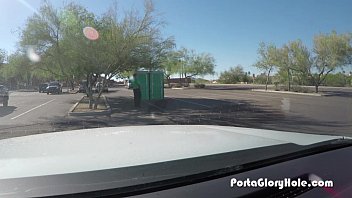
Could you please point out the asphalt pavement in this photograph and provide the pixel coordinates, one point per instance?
(31, 112)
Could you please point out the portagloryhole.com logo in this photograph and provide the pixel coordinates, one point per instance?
(312, 181)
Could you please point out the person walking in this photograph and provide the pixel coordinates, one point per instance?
(136, 91)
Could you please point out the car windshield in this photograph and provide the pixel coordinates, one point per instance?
(244, 74)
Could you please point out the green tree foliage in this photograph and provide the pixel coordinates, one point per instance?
(44, 31)
(331, 51)
(201, 65)
(2, 63)
(263, 79)
(187, 63)
(295, 62)
(126, 42)
(337, 80)
(18, 69)
(267, 60)
(233, 75)
(194, 64)
(171, 64)
(3, 56)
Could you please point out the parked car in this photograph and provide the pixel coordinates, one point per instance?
(42, 87)
(82, 88)
(54, 88)
(4, 96)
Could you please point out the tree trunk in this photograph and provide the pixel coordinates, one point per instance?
(289, 80)
(96, 102)
(72, 85)
(316, 88)
(101, 89)
(180, 78)
(267, 80)
(28, 79)
(89, 91)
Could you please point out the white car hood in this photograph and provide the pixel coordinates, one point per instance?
(115, 147)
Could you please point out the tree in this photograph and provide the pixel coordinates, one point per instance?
(293, 59)
(299, 61)
(195, 64)
(187, 63)
(2, 57)
(129, 44)
(43, 31)
(171, 64)
(267, 59)
(263, 79)
(201, 64)
(123, 45)
(191, 64)
(232, 76)
(18, 69)
(331, 51)
(2, 62)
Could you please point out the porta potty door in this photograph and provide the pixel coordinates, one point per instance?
(143, 79)
(156, 85)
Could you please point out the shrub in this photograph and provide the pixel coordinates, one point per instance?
(300, 89)
(199, 86)
(178, 85)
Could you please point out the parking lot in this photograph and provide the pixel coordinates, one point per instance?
(32, 112)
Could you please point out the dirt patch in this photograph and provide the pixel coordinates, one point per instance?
(83, 105)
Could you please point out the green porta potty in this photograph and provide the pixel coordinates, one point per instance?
(152, 84)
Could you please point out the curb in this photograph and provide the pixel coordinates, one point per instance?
(288, 92)
(100, 113)
(180, 88)
(72, 92)
(26, 90)
(74, 106)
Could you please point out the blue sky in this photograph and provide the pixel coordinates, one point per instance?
(228, 29)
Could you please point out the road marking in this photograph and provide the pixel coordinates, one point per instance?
(32, 109)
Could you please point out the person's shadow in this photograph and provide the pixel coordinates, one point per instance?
(4, 111)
